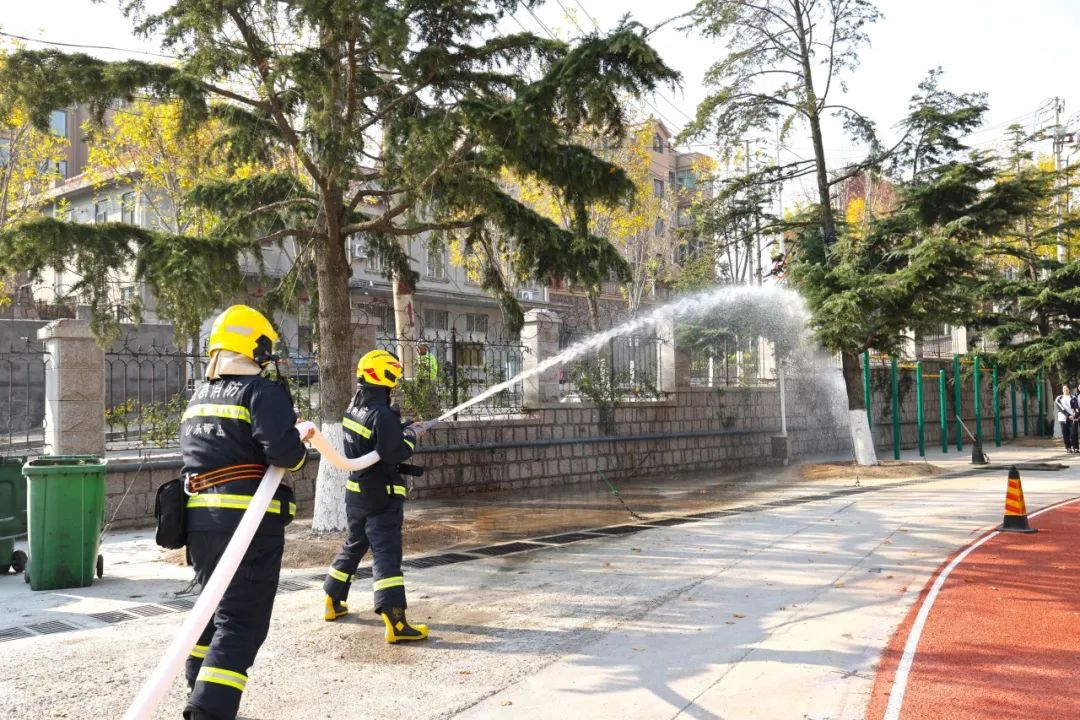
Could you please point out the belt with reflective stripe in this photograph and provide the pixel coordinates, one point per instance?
(401, 490)
(221, 676)
(338, 575)
(232, 412)
(356, 427)
(199, 651)
(202, 481)
(397, 581)
(233, 502)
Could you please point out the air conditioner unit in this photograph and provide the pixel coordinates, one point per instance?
(359, 251)
(529, 295)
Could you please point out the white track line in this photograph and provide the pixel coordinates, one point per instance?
(896, 695)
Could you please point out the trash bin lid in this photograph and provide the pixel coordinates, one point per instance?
(63, 464)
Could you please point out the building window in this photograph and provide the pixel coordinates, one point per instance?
(657, 143)
(659, 229)
(58, 123)
(436, 261)
(658, 188)
(683, 216)
(671, 178)
(385, 312)
(436, 320)
(686, 180)
(374, 263)
(476, 323)
(60, 167)
(127, 208)
(468, 354)
(101, 211)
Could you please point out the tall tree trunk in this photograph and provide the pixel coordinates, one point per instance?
(335, 363)
(862, 441)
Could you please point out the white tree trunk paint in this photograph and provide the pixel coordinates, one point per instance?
(329, 513)
(861, 439)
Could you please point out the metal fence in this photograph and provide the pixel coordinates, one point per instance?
(627, 367)
(148, 388)
(729, 367)
(22, 397)
(449, 368)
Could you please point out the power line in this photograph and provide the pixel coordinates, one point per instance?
(57, 43)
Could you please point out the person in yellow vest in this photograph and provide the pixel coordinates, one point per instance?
(237, 423)
(427, 365)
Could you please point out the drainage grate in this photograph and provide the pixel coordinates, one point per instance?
(291, 586)
(667, 522)
(786, 502)
(320, 578)
(53, 626)
(568, 538)
(149, 610)
(621, 529)
(514, 547)
(14, 633)
(436, 560)
(179, 605)
(361, 573)
(113, 616)
(714, 514)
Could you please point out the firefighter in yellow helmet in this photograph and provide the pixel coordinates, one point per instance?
(374, 498)
(237, 423)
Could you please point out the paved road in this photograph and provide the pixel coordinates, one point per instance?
(781, 613)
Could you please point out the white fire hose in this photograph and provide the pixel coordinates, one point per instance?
(160, 680)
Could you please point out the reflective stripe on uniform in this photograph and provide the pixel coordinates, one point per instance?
(397, 581)
(338, 575)
(221, 676)
(299, 464)
(199, 651)
(356, 428)
(232, 412)
(233, 502)
(411, 446)
(353, 486)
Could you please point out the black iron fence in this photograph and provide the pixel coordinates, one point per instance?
(626, 367)
(731, 367)
(22, 397)
(445, 369)
(148, 388)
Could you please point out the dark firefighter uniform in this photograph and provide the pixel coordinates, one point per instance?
(375, 498)
(236, 424)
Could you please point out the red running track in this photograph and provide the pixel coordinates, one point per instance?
(1002, 638)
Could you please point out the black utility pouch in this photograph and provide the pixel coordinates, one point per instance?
(169, 507)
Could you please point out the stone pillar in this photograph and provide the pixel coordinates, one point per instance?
(908, 347)
(674, 361)
(74, 389)
(959, 341)
(540, 336)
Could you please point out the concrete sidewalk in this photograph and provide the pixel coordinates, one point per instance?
(774, 612)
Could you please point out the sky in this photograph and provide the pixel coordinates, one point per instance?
(1021, 53)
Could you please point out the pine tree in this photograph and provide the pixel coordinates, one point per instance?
(400, 117)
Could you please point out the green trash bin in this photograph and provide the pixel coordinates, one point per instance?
(12, 514)
(66, 501)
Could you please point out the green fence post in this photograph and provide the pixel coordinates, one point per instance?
(895, 379)
(866, 386)
(1012, 404)
(943, 402)
(977, 384)
(919, 416)
(1039, 401)
(958, 401)
(997, 407)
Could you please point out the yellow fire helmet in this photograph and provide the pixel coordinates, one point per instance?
(246, 331)
(379, 367)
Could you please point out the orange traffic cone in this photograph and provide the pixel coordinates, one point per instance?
(1015, 508)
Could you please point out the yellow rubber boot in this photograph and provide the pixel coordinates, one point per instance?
(399, 629)
(334, 609)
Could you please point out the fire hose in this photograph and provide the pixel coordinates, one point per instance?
(155, 687)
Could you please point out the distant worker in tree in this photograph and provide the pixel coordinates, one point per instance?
(375, 497)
